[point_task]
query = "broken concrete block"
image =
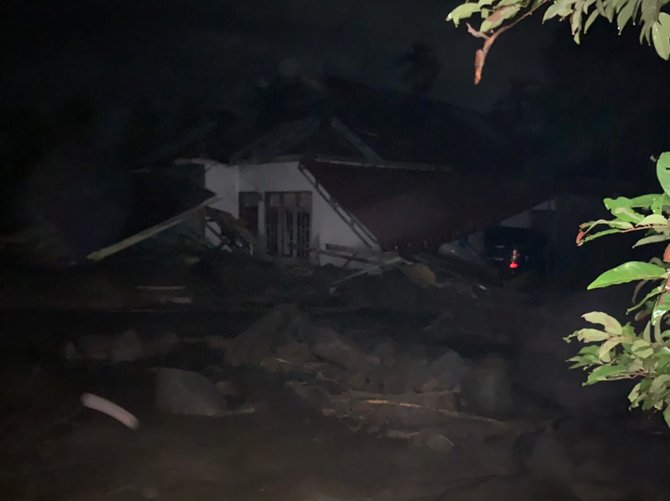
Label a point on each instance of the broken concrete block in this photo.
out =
(487, 388)
(330, 346)
(227, 388)
(449, 370)
(263, 337)
(385, 351)
(127, 347)
(405, 376)
(94, 347)
(295, 353)
(160, 344)
(188, 393)
(433, 440)
(217, 343)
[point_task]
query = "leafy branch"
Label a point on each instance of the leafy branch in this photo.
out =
(498, 16)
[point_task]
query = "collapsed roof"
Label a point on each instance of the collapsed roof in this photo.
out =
(348, 119)
(403, 207)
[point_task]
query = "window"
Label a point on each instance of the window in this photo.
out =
(248, 210)
(288, 221)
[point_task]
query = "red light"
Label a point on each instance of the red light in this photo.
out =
(513, 265)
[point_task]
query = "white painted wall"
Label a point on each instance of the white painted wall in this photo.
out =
(327, 226)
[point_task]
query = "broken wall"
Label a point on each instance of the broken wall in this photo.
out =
(327, 227)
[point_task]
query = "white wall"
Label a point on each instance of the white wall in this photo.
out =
(327, 226)
(224, 182)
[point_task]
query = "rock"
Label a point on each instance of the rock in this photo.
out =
(385, 351)
(264, 336)
(227, 388)
(464, 325)
(550, 459)
(421, 275)
(449, 370)
(296, 353)
(94, 347)
(314, 396)
(426, 438)
(217, 343)
(70, 352)
(407, 375)
(150, 493)
(188, 393)
(434, 440)
(330, 346)
(161, 344)
(127, 347)
(487, 388)
(431, 385)
(509, 488)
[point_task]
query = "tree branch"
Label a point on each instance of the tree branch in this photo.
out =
(480, 55)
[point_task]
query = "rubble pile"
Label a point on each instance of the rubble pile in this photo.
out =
(394, 387)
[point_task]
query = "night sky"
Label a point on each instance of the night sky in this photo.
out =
(210, 50)
(77, 74)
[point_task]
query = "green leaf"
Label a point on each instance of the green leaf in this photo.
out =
(558, 9)
(642, 349)
(609, 323)
(652, 239)
(628, 215)
(605, 372)
(663, 171)
(552, 11)
(661, 307)
(592, 335)
(666, 415)
(645, 201)
(588, 355)
(590, 20)
(604, 351)
(659, 203)
(659, 383)
(625, 14)
(651, 294)
(499, 16)
(634, 394)
(628, 272)
(463, 11)
(660, 35)
(599, 234)
(654, 219)
(623, 225)
(576, 23)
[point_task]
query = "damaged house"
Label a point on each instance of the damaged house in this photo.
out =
(362, 172)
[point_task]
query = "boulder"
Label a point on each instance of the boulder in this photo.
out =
(161, 343)
(227, 388)
(385, 351)
(487, 388)
(296, 353)
(330, 346)
(407, 375)
(449, 370)
(127, 347)
(188, 393)
(420, 275)
(264, 336)
(94, 347)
